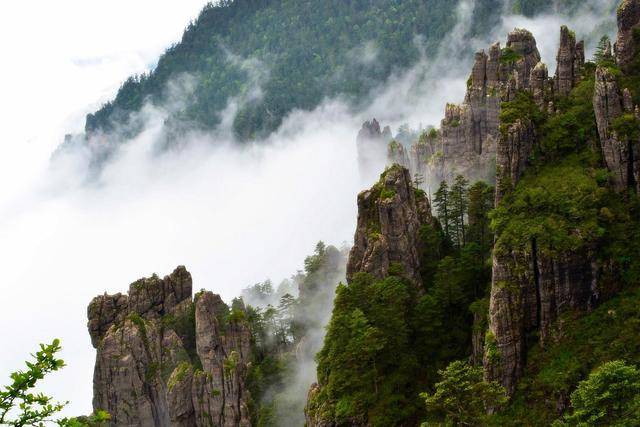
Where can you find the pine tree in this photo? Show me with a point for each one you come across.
(458, 202)
(481, 200)
(441, 203)
(603, 51)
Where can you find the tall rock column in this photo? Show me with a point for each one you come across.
(626, 45)
(570, 60)
(621, 153)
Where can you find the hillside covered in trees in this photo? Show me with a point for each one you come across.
(298, 52)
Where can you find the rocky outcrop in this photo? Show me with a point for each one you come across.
(570, 61)
(626, 45)
(469, 132)
(165, 360)
(532, 285)
(372, 148)
(390, 216)
(621, 153)
(514, 149)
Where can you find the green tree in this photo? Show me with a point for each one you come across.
(609, 396)
(20, 406)
(481, 200)
(603, 51)
(462, 397)
(441, 203)
(458, 203)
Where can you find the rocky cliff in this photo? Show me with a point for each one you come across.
(467, 141)
(615, 110)
(390, 216)
(164, 359)
(529, 288)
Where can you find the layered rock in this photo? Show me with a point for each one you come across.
(390, 216)
(165, 360)
(531, 285)
(621, 153)
(626, 45)
(570, 61)
(469, 132)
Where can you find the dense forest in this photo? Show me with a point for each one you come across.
(299, 52)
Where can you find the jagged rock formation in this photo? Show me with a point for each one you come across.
(390, 216)
(165, 360)
(614, 108)
(626, 42)
(570, 60)
(372, 148)
(620, 153)
(532, 285)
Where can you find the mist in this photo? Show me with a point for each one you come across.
(233, 214)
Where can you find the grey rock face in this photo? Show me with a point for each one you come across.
(621, 154)
(389, 219)
(396, 154)
(530, 288)
(628, 20)
(165, 360)
(570, 60)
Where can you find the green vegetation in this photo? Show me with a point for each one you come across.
(522, 109)
(462, 397)
(20, 406)
(610, 396)
(285, 333)
(609, 333)
(509, 56)
(386, 341)
(298, 52)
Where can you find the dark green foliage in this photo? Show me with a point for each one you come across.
(559, 207)
(603, 54)
(462, 397)
(627, 126)
(509, 56)
(308, 50)
(442, 206)
(573, 128)
(522, 108)
(368, 366)
(458, 205)
(277, 392)
(609, 396)
(300, 51)
(481, 200)
(608, 333)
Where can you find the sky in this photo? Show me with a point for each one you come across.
(232, 216)
(62, 59)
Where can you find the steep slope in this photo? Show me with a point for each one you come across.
(565, 222)
(298, 52)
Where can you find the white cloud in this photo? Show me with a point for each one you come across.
(232, 215)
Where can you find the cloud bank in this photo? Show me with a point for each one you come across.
(234, 215)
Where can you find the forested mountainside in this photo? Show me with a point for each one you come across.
(300, 51)
(513, 330)
(508, 297)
